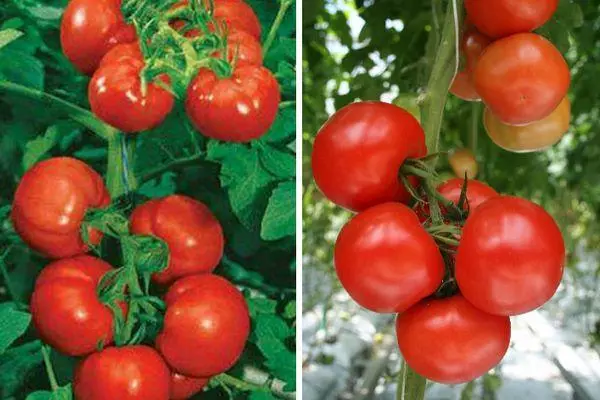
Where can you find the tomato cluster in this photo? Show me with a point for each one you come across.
(454, 276)
(206, 322)
(520, 76)
(228, 94)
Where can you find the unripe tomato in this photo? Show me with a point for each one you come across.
(237, 15)
(183, 387)
(51, 202)
(239, 108)
(521, 78)
(511, 256)
(206, 326)
(463, 163)
(463, 88)
(124, 373)
(386, 261)
(90, 28)
(538, 135)
(450, 341)
(500, 18)
(116, 95)
(192, 233)
(358, 153)
(65, 307)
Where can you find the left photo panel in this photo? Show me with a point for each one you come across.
(147, 199)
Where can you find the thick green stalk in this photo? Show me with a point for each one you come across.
(49, 369)
(119, 172)
(283, 7)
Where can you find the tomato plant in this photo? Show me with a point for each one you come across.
(511, 256)
(451, 341)
(358, 154)
(385, 259)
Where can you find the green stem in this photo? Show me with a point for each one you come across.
(283, 7)
(178, 163)
(239, 384)
(411, 386)
(49, 370)
(120, 178)
(76, 113)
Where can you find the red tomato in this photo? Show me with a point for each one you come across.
(462, 87)
(500, 18)
(477, 193)
(243, 49)
(206, 326)
(237, 15)
(90, 28)
(239, 108)
(124, 373)
(183, 387)
(65, 307)
(511, 256)
(521, 78)
(193, 234)
(450, 341)
(358, 153)
(386, 261)
(116, 96)
(51, 202)
(473, 45)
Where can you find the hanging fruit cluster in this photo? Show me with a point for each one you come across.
(453, 259)
(520, 76)
(144, 56)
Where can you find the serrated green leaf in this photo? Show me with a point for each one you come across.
(13, 324)
(9, 35)
(279, 163)
(261, 305)
(271, 327)
(280, 217)
(284, 127)
(62, 393)
(15, 365)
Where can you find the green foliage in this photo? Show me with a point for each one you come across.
(249, 187)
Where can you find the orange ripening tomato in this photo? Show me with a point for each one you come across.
(463, 163)
(536, 136)
(51, 202)
(463, 88)
(522, 78)
(192, 233)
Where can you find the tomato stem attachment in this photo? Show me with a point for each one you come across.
(284, 5)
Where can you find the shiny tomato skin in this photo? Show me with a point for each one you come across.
(243, 49)
(473, 45)
(183, 387)
(521, 78)
(463, 88)
(450, 341)
(239, 108)
(89, 29)
(386, 261)
(511, 256)
(463, 162)
(358, 153)
(500, 18)
(536, 136)
(50, 204)
(115, 93)
(237, 15)
(206, 326)
(124, 373)
(192, 233)
(477, 191)
(65, 307)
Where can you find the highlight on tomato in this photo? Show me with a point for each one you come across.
(358, 153)
(183, 387)
(50, 205)
(192, 233)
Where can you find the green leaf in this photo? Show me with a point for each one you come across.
(261, 395)
(280, 217)
(261, 305)
(62, 393)
(13, 324)
(21, 68)
(279, 163)
(290, 310)
(284, 127)
(411, 386)
(9, 35)
(15, 366)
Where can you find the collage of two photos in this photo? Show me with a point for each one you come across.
(316, 199)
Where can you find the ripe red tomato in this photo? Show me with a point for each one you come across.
(116, 96)
(206, 326)
(450, 341)
(473, 45)
(462, 87)
(521, 78)
(90, 28)
(243, 49)
(536, 136)
(183, 387)
(511, 256)
(124, 373)
(237, 15)
(386, 261)
(51, 202)
(65, 307)
(358, 153)
(500, 18)
(477, 192)
(239, 108)
(193, 234)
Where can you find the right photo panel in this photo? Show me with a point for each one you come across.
(450, 200)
